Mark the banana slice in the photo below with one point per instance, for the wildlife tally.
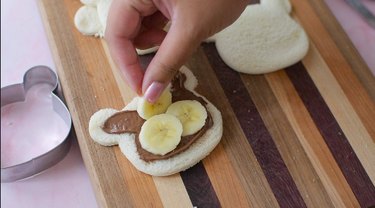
(191, 113)
(87, 20)
(146, 109)
(160, 134)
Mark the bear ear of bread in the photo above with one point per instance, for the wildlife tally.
(172, 119)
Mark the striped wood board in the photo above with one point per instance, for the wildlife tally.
(300, 137)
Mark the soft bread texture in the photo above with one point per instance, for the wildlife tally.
(263, 39)
(195, 153)
(89, 2)
(87, 20)
(95, 17)
(103, 9)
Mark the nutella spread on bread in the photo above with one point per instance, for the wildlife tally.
(131, 122)
(123, 122)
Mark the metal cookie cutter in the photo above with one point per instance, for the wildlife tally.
(16, 93)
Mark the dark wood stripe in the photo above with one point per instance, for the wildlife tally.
(287, 142)
(199, 187)
(336, 140)
(264, 148)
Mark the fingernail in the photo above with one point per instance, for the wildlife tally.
(154, 91)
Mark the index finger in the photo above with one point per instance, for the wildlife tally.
(123, 24)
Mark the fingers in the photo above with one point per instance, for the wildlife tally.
(126, 59)
(156, 20)
(149, 38)
(123, 25)
(152, 31)
(174, 51)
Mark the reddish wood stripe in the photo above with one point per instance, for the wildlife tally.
(336, 140)
(273, 166)
(199, 187)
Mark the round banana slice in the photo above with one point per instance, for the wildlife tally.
(87, 20)
(146, 109)
(160, 134)
(191, 113)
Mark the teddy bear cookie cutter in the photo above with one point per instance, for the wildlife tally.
(17, 93)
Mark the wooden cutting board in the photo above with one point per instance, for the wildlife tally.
(300, 137)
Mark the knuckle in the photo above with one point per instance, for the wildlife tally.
(167, 69)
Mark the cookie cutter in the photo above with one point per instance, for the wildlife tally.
(16, 93)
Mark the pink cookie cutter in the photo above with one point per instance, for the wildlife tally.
(16, 93)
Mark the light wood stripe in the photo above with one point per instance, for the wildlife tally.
(274, 168)
(342, 109)
(163, 186)
(346, 47)
(339, 67)
(333, 135)
(173, 183)
(286, 140)
(230, 190)
(140, 186)
(312, 142)
(256, 188)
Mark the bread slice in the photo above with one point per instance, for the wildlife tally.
(195, 153)
(263, 39)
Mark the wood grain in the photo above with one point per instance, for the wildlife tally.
(300, 137)
(339, 66)
(345, 46)
(333, 135)
(344, 112)
(287, 143)
(314, 145)
(234, 141)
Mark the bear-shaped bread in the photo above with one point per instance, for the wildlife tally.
(198, 150)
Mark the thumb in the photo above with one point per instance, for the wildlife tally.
(174, 51)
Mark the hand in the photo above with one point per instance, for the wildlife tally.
(139, 24)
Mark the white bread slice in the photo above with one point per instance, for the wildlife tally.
(263, 39)
(196, 152)
(87, 20)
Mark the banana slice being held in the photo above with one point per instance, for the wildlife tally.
(160, 134)
(157, 146)
(146, 109)
(191, 113)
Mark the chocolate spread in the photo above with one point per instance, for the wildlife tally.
(123, 122)
(131, 122)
